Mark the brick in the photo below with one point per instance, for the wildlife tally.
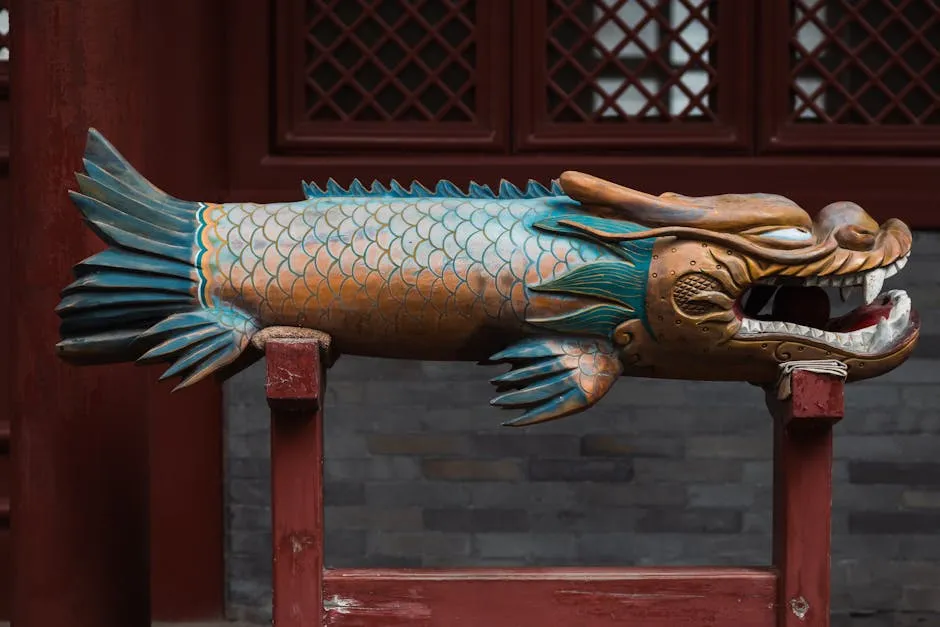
(607, 520)
(473, 470)
(516, 443)
(241, 567)
(681, 471)
(700, 520)
(921, 396)
(379, 518)
(251, 492)
(341, 444)
(867, 497)
(633, 494)
(909, 448)
(598, 470)
(249, 518)
(411, 493)
(417, 444)
(372, 469)
(627, 549)
(343, 493)
(251, 447)
(476, 520)
(887, 421)
(523, 546)
(919, 546)
(637, 446)
(921, 499)
(894, 522)
(435, 544)
(344, 542)
(921, 598)
(729, 447)
(501, 494)
(924, 474)
(249, 468)
(729, 495)
(250, 542)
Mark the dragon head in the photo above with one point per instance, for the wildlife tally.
(739, 283)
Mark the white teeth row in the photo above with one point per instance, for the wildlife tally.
(871, 282)
(871, 339)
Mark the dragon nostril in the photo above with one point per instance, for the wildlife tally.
(856, 237)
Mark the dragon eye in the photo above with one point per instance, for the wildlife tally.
(791, 234)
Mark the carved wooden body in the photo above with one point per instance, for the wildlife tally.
(574, 285)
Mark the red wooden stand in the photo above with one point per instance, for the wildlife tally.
(795, 591)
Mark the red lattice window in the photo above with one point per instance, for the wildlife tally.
(621, 71)
(392, 72)
(858, 74)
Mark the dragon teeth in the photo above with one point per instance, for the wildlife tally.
(870, 340)
(868, 281)
(874, 281)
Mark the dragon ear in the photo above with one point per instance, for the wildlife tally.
(629, 204)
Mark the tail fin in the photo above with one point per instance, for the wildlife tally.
(139, 299)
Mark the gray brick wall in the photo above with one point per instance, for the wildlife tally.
(419, 473)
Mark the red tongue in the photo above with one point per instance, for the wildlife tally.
(860, 318)
(808, 306)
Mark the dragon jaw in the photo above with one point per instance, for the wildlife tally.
(719, 260)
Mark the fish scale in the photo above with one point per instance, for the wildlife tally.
(363, 269)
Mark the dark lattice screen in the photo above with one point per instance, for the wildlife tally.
(388, 60)
(871, 62)
(631, 60)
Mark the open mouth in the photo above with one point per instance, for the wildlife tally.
(802, 308)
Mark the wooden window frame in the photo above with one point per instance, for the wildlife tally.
(779, 135)
(295, 133)
(734, 132)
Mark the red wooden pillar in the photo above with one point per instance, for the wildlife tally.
(295, 378)
(79, 437)
(803, 496)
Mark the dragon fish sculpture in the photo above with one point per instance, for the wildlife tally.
(573, 285)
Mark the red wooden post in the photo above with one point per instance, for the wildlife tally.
(79, 438)
(803, 496)
(294, 389)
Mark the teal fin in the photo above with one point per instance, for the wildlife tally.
(139, 299)
(554, 377)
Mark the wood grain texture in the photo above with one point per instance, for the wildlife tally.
(803, 497)
(648, 597)
(80, 446)
(294, 387)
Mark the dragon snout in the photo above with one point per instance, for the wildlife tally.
(854, 229)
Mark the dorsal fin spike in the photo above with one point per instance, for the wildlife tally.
(508, 190)
(356, 189)
(536, 190)
(446, 188)
(481, 191)
(396, 189)
(334, 189)
(557, 189)
(419, 191)
(378, 189)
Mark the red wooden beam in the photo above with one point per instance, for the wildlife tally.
(294, 390)
(639, 597)
(79, 436)
(803, 496)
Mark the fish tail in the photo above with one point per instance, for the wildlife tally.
(140, 299)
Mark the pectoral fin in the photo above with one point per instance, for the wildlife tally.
(553, 378)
